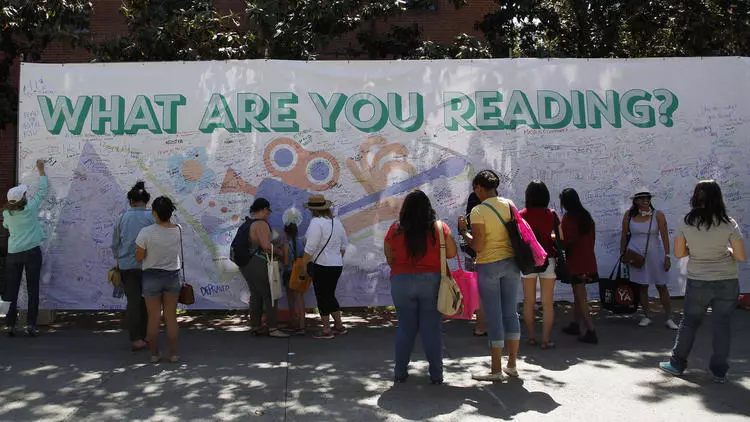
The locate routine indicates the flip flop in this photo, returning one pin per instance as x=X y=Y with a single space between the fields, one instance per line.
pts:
x=548 y=345
x=532 y=342
x=480 y=334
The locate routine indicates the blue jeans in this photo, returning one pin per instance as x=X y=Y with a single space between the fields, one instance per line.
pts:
x=721 y=295
x=499 y=282
x=31 y=262
x=415 y=297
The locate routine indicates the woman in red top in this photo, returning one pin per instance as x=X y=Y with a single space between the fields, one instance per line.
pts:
x=578 y=233
x=542 y=221
x=412 y=249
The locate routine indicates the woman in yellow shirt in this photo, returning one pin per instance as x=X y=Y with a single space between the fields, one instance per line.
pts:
x=497 y=273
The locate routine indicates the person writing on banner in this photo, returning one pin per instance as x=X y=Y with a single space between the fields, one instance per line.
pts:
x=412 y=250
x=578 y=234
x=21 y=218
x=470 y=256
x=497 y=273
x=255 y=272
x=542 y=221
x=325 y=247
x=126 y=230
x=714 y=245
x=642 y=226
x=158 y=249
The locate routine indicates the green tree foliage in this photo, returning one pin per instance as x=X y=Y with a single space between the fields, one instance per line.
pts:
x=618 y=28
x=28 y=27
x=176 y=30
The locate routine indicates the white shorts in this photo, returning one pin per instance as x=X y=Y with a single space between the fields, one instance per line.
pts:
x=548 y=273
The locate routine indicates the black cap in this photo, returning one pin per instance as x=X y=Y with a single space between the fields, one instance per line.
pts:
x=260 y=204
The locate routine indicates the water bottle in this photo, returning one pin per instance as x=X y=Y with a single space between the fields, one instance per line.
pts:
x=118 y=291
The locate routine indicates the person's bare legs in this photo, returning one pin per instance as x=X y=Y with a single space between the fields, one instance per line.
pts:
x=643 y=291
x=581 y=295
x=496 y=354
x=170 y=320
x=153 y=307
x=548 y=307
x=666 y=301
x=337 y=323
x=300 y=302
x=512 y=347
x=291 y=298
x=325 y=321
x=529 y=301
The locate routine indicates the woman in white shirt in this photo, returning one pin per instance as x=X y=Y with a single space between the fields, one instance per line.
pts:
x=158 y=249
x=324 y=250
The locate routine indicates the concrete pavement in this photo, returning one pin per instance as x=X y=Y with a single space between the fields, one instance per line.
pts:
x=82 y=369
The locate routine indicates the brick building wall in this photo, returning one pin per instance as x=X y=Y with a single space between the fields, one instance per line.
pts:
x=441 y=25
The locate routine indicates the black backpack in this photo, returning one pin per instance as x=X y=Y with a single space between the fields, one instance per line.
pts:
x=239 y=252
x=524 y=257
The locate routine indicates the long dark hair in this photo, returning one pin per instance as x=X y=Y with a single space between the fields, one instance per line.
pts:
x=416 y=220
x=570 y=200
x=15 y=206
x=138 y=193
x=537 y=195
x=707 y=206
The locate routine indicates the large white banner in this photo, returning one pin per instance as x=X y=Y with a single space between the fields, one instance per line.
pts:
x=215 y=135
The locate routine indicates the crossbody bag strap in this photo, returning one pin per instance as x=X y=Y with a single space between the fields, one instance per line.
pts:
x=443 y=259
x=497 y=213
x=182 y=254
x=628 y=234
x=648 y=236
x=117 y=249
x=324 y=246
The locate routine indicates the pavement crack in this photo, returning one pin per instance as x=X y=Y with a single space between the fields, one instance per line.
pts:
x=288 y=370
x=106 y=376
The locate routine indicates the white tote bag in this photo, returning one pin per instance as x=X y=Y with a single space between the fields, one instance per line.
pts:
x=274 y=277
x=450 y=300
x=4 y=307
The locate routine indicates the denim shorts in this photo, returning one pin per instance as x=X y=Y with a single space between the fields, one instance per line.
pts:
x=549 y=272
x=160 y=282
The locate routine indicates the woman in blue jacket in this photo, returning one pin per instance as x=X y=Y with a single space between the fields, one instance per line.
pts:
x=126 y=229
x=21 y=218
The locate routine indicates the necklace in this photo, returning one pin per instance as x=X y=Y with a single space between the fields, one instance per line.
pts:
x=647 y=213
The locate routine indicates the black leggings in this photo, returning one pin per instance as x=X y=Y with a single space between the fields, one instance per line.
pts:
x=325 y=281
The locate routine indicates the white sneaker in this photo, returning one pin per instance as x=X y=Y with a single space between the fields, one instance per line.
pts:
x=645 y=322
x=672 y=325
x=511 y=372
x=498 y=376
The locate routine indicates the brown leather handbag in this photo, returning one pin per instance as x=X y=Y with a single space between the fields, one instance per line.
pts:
x=633 y=258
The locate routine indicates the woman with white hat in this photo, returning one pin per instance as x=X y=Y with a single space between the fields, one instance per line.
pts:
x=647 y=258
x=21 y=218
x=325 y=247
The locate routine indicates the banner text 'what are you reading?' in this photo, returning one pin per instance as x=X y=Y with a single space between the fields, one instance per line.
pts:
x=366 y=112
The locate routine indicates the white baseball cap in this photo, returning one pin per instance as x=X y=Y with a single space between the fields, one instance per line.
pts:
x=17 y=193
